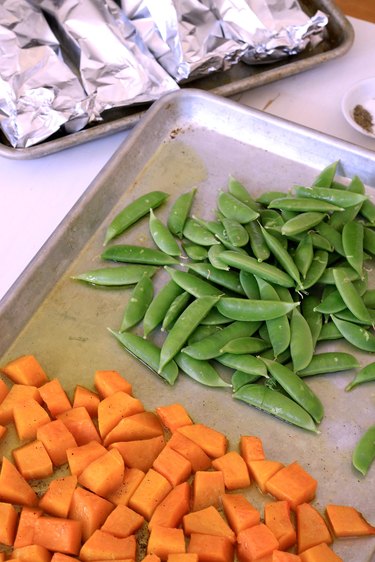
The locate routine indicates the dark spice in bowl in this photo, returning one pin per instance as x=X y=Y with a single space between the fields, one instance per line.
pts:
x=363 y=118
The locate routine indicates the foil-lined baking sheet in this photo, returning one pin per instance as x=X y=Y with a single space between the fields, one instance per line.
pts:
x=92 y=67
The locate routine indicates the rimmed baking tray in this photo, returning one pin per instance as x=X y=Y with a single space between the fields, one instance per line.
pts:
x=238 y=79
x=187 y=139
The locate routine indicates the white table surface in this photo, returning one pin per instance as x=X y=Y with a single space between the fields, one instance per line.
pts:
x=35 y=195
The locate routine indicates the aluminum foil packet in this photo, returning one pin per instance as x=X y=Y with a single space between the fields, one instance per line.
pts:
x=39 y=94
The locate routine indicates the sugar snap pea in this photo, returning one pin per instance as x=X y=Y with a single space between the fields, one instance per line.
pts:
x=233 y=208
x=138 y=303
x=301 y=223
x=278 y=328
x=133 y=212
x=337 y=197
x=201 y=371
x=329 y=362
x=116 y=276
x=159 y=306
x=275 y=403
x=327 y=276
x=127 y=253
x=364 y=452
x=239 y=379
x=227 y=279
x=368 y=211
x=195 y=252
x=348 y=315
x=246 y=363
x=197 y=233
x=304 y=205
x=304 y=254
x=246 y=344
x=238 y=190
x=202 y=332
x=261 y=269
x=245 y=309
x=354 y=334
x=214 y=259
x=162 y=236
x=369 y=298
x=257 y=242
x=192 y=284
x=271 y=220
x=369 y=240
x=329 y=332
x=249 y=285
x=334 y=237
x=351 y=297
x=266 y=197
x=282 y=256
x=147 y=353
x=175 y=309
x=326 y=176
x=312 y=317
x=236 y=233
x=184 y=326
x=180 y=211
x=366 y=374
x=352 y=242
x=301 y=342
x=214 y=317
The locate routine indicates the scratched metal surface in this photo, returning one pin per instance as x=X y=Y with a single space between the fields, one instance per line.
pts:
x=190 y=139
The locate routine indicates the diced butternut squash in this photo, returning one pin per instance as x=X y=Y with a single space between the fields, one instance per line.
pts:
x=132 y=478
x=13 y=486
x=115 y=407
x=28 y=416
x=150 y=493
x=277 y=518
x=26 y=524
x=183 y=557
x=34 y=552
x=8 y=523
x=209 y=522
x=173 y=466
x=234 y=469
x=86 y=398
x=4 y=389
x=150 y=558
x=164 y=541
x=3 y=430
x=80 y=425
x=255 y=542
x=25 y=369
x=292 y=483
x=282 y=556
x=56 y=438
x=58 y=497
x=198 y=459
x=17 y=393
x=173 y=507
x=208 y=487
x=109 y=382
x=81 y=456
x=59 y=557
x=33 y=461
x=144 y=425
x=55 y=397
x=239 y=512
x=347 y=521
x=103 y=546
x=211 y=548
x=104 y=475
x=320 y=553
x=122 y=522
x=262 y=470
x=90 y=509
x=140 y=453
x=173 y=416
x=58 y=534
x=311 y=527
x=251 y=448
x=213 y=442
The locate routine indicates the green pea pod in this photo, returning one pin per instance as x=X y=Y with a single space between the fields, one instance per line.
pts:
x=179 y=212
x=249 y=285
x=331 y=304
x=337 y=197
x=348 y=315
x=251 y=265
x=195 y=252
x=340 y=218
x=301 y=341
x=317 y=269
x=278 y=328
x=246 y=344
x=304 y=255
x=301 y=223
x=245 y=309
x=312 y=317
x=201 y=371
x=327 y=276
x=257 y=242
x=212 y=346
x=368 y=211
x=282 y=358
x=199 y=234
x=326 y=176
x=126 y=253
x=184 y=327
x=332 y=235
x=366 y=374
x=329 y=332
x=239 y=379
x=162 y=236
x=193 y=284
x=147 y=353
x=369 y=298
x=133 y=212
x=277 y=404
x=369 y=240
x=354 y=334
x=271 y=220
x=175 y=310
x=233 y=208
x=352 y=241
x=282 y=256
x=350 y=296
x=116 y=276
x=138 y=303
x=239 y=191
x=159 y=306
x=214 y=317
x=297 y=389
x=266 y=197
x=218 y=230
x=227 y=279
x=237 y=234
x=304 y=205
x=329 y=362
x=246 y=363
x=364 y=452
x=202 y=332
x=214 y=259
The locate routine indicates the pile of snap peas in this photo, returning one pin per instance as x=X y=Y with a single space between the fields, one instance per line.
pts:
x=254 y=289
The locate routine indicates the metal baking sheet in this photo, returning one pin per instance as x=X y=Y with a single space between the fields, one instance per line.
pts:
x=238 y=79
x=188 y=139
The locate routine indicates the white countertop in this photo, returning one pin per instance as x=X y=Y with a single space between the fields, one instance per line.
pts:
x=35 y=195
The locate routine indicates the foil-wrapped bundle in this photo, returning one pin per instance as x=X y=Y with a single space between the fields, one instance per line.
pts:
x=38 y=91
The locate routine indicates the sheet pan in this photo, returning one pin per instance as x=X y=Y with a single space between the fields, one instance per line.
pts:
x=188 y=139
x=238 y=79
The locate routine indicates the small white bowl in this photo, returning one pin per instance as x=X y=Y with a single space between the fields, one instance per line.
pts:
x=361 y=94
